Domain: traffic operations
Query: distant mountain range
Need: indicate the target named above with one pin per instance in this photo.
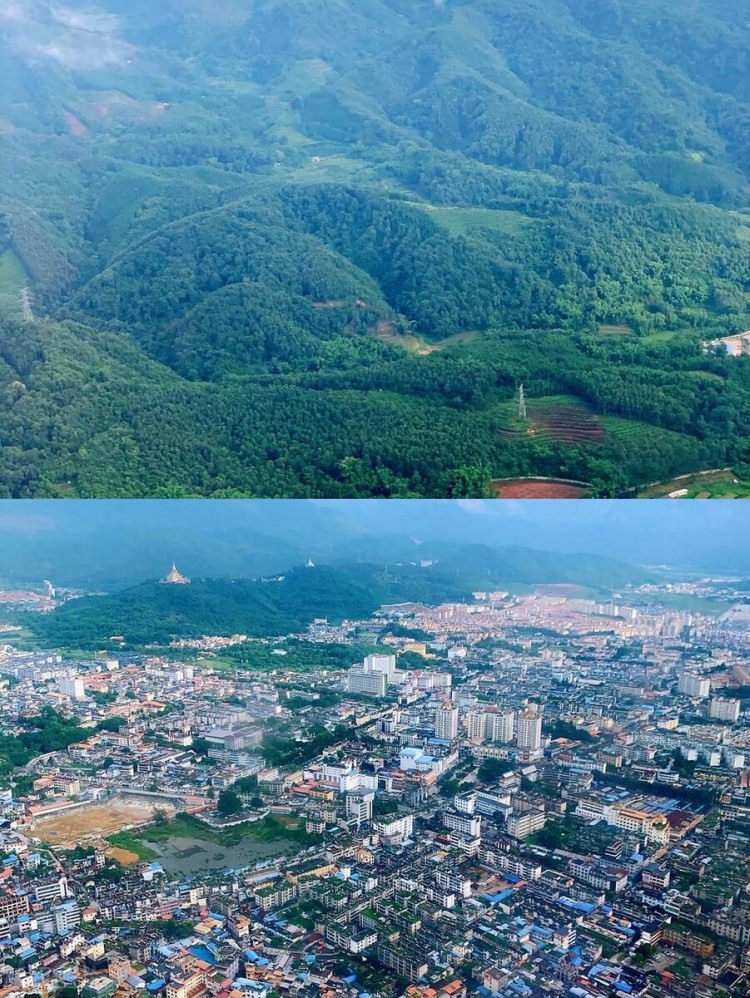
(111, 545)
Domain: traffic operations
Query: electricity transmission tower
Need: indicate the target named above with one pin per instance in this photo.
(521, 403)
(25, 297)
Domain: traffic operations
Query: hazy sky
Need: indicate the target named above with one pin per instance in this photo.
(107, 541)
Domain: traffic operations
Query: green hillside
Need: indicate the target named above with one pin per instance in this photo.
(248, 227)
(154, 613)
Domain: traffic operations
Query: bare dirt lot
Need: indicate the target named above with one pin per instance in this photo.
(521, 488)
(122, 856)
(98, 821)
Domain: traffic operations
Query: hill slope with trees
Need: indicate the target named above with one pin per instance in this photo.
(317, 247)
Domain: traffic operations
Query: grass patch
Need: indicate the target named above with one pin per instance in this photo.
(185, 826)
(132, 843)
(13, 278)
(467, 221)
(660, 336)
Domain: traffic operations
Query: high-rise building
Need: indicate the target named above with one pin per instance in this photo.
(529, 736)
(67, 915)
(446, 721)
(520, 826)
(469, 824)
(694, 686)
(380, 663)
(359, 805)
(373, 683)
(498, 725)
(475, 725)
(724, 710)
(72, 687)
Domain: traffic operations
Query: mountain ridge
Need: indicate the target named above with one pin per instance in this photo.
(562, 183)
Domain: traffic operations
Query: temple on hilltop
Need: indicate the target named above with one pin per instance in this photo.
(174, 578)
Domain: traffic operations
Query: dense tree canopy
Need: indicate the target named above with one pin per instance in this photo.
(268, 258)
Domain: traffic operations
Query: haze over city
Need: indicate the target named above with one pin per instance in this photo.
(382, 749)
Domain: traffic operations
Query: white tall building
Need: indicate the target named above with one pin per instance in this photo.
(72, 686)
(359, 805)
(446, 721)
(469, 824)
(475, 726)
(693, 686)
(529, 737)
(724, 710)
(498, 725)
(380, 663)
(374, 683)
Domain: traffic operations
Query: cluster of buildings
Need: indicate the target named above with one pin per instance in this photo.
(554, 801)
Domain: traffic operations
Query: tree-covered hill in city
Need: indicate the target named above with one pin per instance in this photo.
(152, 612)
(310, 247)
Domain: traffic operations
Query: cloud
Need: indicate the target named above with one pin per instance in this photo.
(26, 522)
(474, 506)
(77, 39)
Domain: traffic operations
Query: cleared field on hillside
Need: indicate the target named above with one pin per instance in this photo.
(72, 827)
(562, 418)
(465, 221)
(608, 330)
(536, 488)
(386, 332)
(12, 279)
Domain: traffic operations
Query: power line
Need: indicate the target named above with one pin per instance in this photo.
(521, 403)
(25, 297)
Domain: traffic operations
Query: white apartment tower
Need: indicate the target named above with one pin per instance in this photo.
(380, 663)
(529, 735)
(72, 686)
(446, 721)
(498, 725)
(693, 686)
(724, 710)
(475, 726)
(373, 683)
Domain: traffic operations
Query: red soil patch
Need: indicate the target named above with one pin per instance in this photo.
(75, 125)
(520, 488)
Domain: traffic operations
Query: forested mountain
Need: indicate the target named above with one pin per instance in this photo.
(267, 607)
(110, 545)
(313, 247)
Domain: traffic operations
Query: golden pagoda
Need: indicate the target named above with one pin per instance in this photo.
(174, 578)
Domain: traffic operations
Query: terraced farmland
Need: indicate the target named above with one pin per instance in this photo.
(561, 418)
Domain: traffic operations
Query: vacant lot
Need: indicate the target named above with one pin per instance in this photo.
(98, 821)
(536, 488)
(122, 856)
